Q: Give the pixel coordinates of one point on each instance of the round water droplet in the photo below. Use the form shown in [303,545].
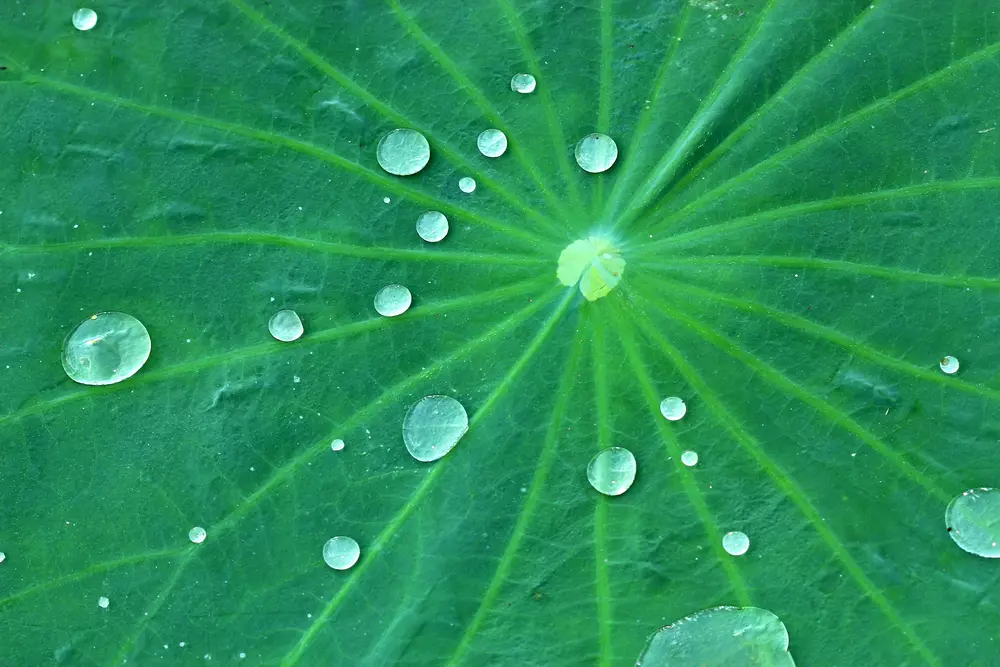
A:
[84,19]
[197,534]
[286,326]
[673,408]
[522,83]
[341,553]
[337,445]
[433,426]
[735,543]
[596,153]
[103,602]
[689,458]
[949,365]
[393,300]
[105,348]
[403,152]
[492,143]
[432,226]
[467,184]
[612,471]
[973,521]
[3,556]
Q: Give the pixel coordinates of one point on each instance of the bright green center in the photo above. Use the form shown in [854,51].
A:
[594,264]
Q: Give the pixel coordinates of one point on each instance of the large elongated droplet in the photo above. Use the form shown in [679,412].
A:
[433,426]
[973,521]
[403,152]
[612,471]
[105,348]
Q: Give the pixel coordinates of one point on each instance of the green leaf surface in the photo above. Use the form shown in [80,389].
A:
[806,199]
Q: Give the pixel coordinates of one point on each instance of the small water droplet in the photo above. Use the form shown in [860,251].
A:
[612,471]
[197,534]
[242,655]
[467,184]
[492,143]
[673,408]
[341,553]
[735,543]
[596,153]
[84,19]
[949,365]
[105,348]
[386,200]
[103,602]
[433,426]
[689,458]
[286,326]
[403,152]
[973,521]
[522,83]
[432,226]
[337,445]
[3,556]
[393,300]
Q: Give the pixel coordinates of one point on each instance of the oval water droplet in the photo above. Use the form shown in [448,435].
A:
[689,458]
[523,83]
[612,471]
[673,408]
[492,143]
[403,152]
[596,153]
[105,348]
[341,553]
[467,184]
[84,18]
[197,534]
[393,300]
[337,445]
[973,521]
[432,226]
[286,326]
[735,543]
[103,602]
[949,365]
[433,426]
[3,556]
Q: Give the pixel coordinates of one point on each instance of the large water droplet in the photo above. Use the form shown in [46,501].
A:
[522,83]
[673,408]
[105,348]
[949,365]
[393,300]
[84,19]
[735,543]
[433,426]
[432,226]
[594,263]
[973,521]
[612,471]
[403,152]
[103,602]
[467,184]
[197,534]
[337,445]
[492,143]
[341,553]
[689,458]
[286,326]
[596,153]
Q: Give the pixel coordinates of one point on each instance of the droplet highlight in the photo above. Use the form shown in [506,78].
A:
[105,348]
[467,185]
[612,471]
[341,553]
[393,300]
[735,543]
[973,521]
[432,226]
[103,602]
[949,365]
[523,83]
[596,153]
[286,326]
[403,152]
[337,445]
[673,408]
[84,18]
[433,426]
[492,142]
[197,534]
[689,458]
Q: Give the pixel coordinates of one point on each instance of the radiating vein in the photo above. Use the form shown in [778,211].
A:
[602,406]
[606,85]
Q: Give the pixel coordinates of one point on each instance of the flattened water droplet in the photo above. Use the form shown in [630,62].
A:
[433,426]
[596,153]
[973,521]
[673,408]
[612,471]
[286,326]
[341,553]
[492,143]
[393,300]
[197,534]
[84,19]
[735,543]
[105,348]
[467,184]
[103,602]
[403,152]
[594,263]
[432,226]
[522,83]
[689,458]
[337,445]
[949,365]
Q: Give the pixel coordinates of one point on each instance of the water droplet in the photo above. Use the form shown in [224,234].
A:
[84,19]
[286,326]
[689,458]
[433,426]
[432,226]
[596,153]
[467,184]
[973,521]
[949,365]
[105,348]
[197,534]
[3,556]
[393,300]
[492,143]
[593,263]
[522,83]
[337,445]
[403,152]
[103,602]
[735,543]
[341,553]
[673,408]
[612,471]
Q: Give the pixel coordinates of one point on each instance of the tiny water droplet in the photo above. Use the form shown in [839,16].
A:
[596,153]
[341,553]
[433,426]
[949,365]
[403,152]
[197,534]
[3,556]
[105,348]
[84,18]
[973,521]
[735,543]
[492,143]
[337,445]
[689,458]
[393,300]
[286,326]
[673,408]
[103,602]
[612,471]
[432,226]
[523,83]
[467,184]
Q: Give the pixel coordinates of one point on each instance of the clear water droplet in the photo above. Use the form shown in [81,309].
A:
[973,521]
[612,471]
[735,543]
[197,534]
[3,556]
[673,408]
[337,445]
[105,348]
[433,426]
[341,553]
[596,153]
[949,365]
[286,326]
[492,142]
[84,19]
[432,226]
[467,184]
[523,83]
[403,152]
[689,458]
[103,602]
[393,300]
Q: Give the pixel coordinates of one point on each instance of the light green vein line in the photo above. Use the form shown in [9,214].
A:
[483,104]
[284,241]
[785,213]
[542,469]
[372,552]
[272,347]
[602,586]
[606,84]
[326,67]
[790,488]
[830,130]
[712,532]
[394,186]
